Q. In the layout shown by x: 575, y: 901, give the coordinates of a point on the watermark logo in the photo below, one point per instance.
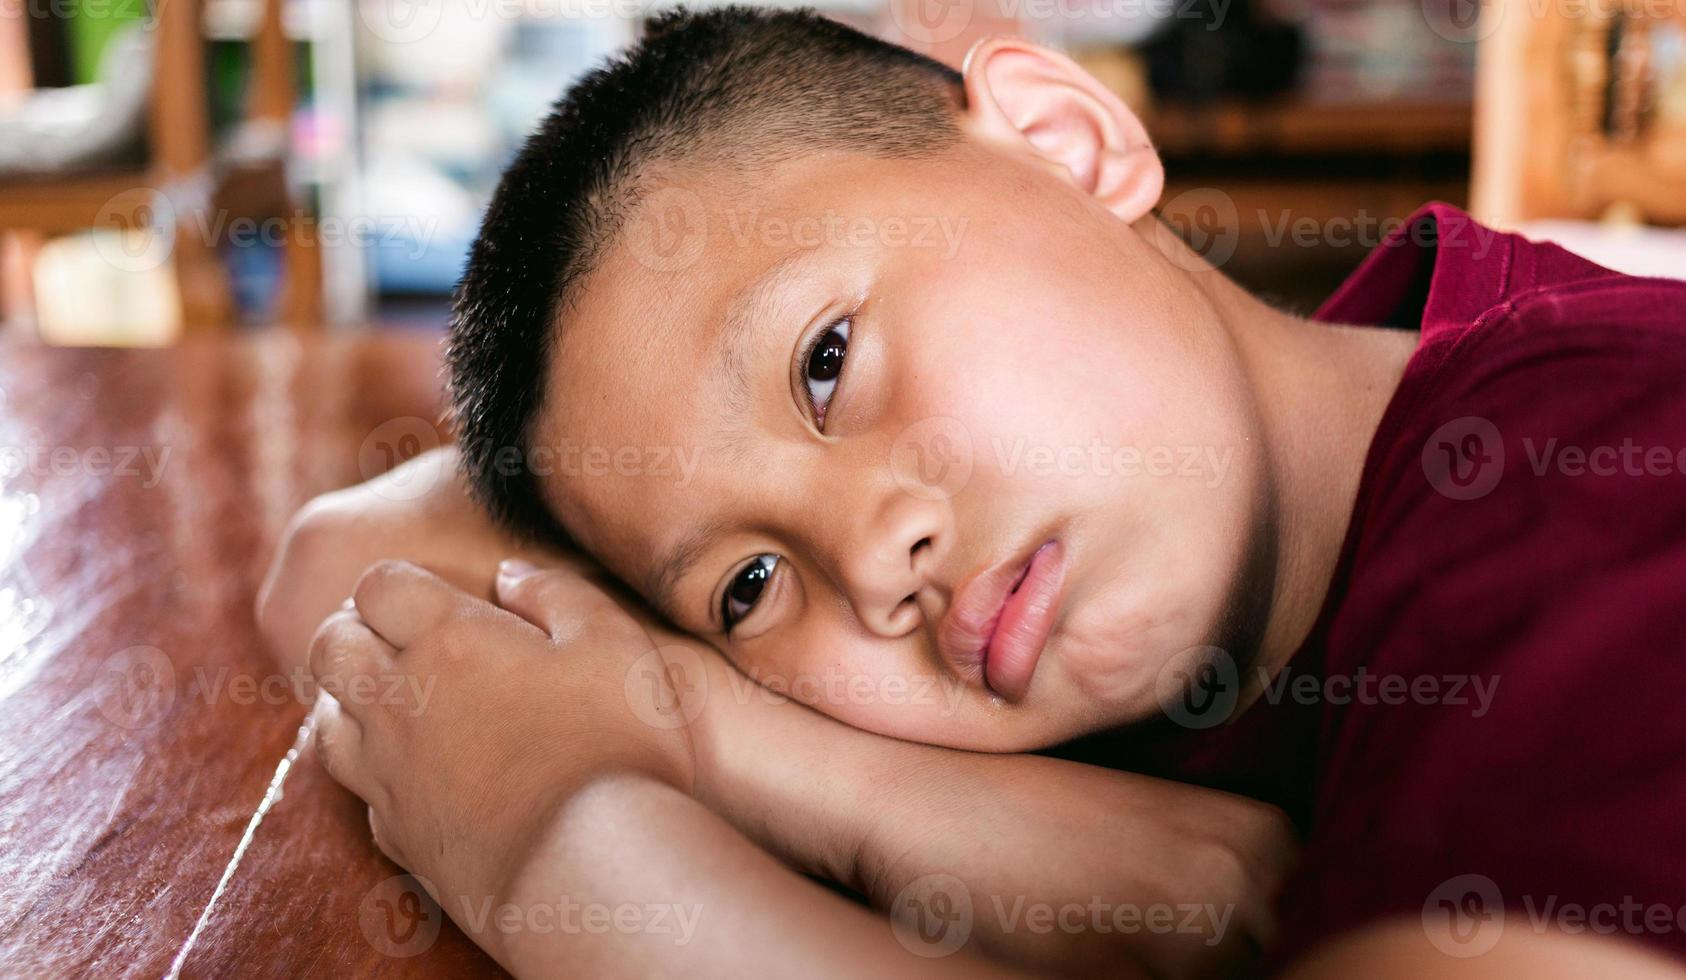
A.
x: 1199, y: 687
x: 401, y: 692
x: 932, y: 915
x: 1102, y: 916
x: 143, y: 463
x: 836, y: 229
x: 1206, y: 219
x: 932, y: 22
x: 1206, y: 465
x: 136, y: 229
x: 667, y: 687
x: 1202, y: 686
x: 395, y: 442
x: 136, y: 687
x: 1462, y: 21
x: 833, y: 688
x: 1465, y: 458
x: 401, y: 21
x: 61, y: 10
x: 932, y: 458
x: 669, y: 230
x: 1464, y: 916
x: 569, y: 917
x: 1630, y: 459
x: 1471, y: 21
x: 673, y: 464
x: 399, y: 918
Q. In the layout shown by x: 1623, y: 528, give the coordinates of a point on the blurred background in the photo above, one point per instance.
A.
x: 169, y: 167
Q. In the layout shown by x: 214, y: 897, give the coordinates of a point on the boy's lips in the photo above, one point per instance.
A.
x: 1000, y: 619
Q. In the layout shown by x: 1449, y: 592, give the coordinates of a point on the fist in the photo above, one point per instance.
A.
x: 466, y: 725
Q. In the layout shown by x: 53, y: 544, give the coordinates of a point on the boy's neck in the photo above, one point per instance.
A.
x: 1320, y: 392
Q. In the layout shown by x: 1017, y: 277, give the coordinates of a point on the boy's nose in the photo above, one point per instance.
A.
x: 890, y: 561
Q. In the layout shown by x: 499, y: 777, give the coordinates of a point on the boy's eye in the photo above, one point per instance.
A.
x: 824, y: 365
x: 745, y: 589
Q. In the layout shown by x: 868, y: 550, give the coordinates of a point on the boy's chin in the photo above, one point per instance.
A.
x: 1039, y: 728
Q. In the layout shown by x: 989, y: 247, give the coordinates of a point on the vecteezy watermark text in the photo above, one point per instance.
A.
x: 936, y: 914
x: 1466, y: 915
x: 145, y: 463
x: 569, y: 917
x: 1203, y: 686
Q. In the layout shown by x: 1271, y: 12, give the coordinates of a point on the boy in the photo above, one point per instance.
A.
x: 868, y: 520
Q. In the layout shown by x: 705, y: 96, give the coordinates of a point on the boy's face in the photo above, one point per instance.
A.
x: 1020, y: 368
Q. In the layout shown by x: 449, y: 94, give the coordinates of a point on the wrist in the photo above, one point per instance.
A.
x: 660, y: 694
x: 799, y: 784
x: 716, y: 734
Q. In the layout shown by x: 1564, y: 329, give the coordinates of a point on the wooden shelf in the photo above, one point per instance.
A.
x: 62, y: 205
x: 1262, y: 208
x: 1293, y: 128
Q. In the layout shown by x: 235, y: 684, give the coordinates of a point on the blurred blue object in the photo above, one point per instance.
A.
x: 435, y: 148
x: 408, y: 265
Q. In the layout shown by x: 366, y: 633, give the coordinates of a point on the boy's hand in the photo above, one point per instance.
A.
x: 836, y: 802
x: 466, y: 726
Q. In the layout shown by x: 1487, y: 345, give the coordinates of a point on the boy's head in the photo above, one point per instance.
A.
x: 817, y: 343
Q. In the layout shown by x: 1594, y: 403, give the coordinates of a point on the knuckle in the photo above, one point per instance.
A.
x: 457, y: 635
x: 379, y: 577
x: 1222, y: 869
x: 322, y: 650
x: 1276, y: 827
x: 332, y: 646
x: 1265, y: 830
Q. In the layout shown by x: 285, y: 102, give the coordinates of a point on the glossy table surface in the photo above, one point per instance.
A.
x: 141, y: 722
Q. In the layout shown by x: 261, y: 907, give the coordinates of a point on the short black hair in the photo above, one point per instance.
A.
x: 733, y: 84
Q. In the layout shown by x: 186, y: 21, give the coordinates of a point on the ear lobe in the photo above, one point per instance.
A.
x: 1023, y: 97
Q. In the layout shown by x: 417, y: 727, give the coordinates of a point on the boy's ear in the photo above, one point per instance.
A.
x: 1023, y: 97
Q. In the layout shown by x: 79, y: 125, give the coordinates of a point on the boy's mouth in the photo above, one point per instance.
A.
x: 1000, y: 620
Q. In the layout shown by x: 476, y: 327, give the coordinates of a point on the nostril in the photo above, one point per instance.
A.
x: 906, y: 614
x: 921, y: 545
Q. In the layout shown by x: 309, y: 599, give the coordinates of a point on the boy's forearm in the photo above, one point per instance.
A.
x: 631, y: 851
x: 1026, y: 837
x: 330, y: 542
x: 870, y: 812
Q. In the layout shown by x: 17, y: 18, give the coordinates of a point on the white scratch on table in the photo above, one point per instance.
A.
x: 270, y: 798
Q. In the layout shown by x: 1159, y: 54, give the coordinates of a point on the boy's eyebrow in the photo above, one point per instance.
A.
x: 661, y: 583
x: 748, y: 310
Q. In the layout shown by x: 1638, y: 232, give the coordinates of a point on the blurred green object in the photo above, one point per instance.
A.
x: 92, y: 24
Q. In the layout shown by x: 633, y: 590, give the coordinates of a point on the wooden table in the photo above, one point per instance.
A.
x: 141, y: 721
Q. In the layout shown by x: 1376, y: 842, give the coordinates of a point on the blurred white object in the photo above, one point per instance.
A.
x: 431, y: 42
x: 84, y: 299
x: 83, y: 127
x: 1637, y: 250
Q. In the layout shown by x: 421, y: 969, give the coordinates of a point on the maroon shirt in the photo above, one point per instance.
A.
x: 1512, y: 596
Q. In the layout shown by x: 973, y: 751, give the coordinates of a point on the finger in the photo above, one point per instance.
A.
x: 555, y: 600
x: 404, y: 602
x: 338, y: 742
x: 343, y: 652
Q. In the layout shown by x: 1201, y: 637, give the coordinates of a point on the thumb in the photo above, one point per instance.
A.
x: 540, y: 596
